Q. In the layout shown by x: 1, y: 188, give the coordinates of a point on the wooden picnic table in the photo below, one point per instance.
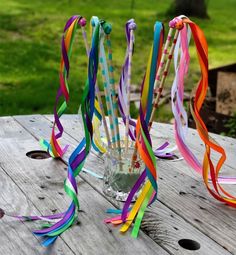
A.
x: 185, y: 215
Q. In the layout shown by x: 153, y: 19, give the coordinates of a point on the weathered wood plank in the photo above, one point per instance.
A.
x: 172, y: 227
x: 178, y: 201
x: 193, y: 140
x: 42, y: 181
x: 17, y: 238
x: 161, y: 132
x: 164, y: 132
x: 197, y: 210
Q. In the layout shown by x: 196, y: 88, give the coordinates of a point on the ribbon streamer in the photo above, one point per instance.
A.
x: 122, y: 89
x: 54, y: 148
x: 208, y: 169
x: 78, y: 157
x: 144, y: 145
x: 149, y: 78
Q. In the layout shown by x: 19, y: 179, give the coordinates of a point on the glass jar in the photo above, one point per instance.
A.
x: 120, y: 176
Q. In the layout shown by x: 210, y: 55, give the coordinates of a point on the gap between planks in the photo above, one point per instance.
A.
x: 89, y: 198
x: 40, y: 133
x: 212, y: 204
x: 12, y: 190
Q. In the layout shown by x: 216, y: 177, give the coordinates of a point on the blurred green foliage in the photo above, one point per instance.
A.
x: 231, y: 125
x: 30, y: 34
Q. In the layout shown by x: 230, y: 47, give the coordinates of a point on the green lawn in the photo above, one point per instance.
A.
x: 30, y: 34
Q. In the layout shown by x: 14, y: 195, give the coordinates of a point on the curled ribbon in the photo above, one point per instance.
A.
x: 208, y: 169
x: 144, y: 144
x: 54, y: 148
x: 65, y: 220
x: 77, y: 158
x: 149, y: 80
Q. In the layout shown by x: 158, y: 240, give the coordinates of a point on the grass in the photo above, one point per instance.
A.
x: 30, y: 34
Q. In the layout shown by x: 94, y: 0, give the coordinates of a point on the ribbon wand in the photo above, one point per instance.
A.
x: 178, y: 24
x: 112, y: 83
x: 144, y: 145
x: 106, y: 29
x: 53, y: 147
x: 98, y: 94
x: 209, y: 169
x: 122, y: 91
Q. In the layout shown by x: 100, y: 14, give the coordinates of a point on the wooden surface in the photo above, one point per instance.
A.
x: 184, y: 209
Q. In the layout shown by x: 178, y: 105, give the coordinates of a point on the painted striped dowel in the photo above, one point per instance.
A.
x: 98, y: 94
x: 163, y: 78
x: 162, y: 62
x: 107, y: 92
x: 113, y: 91
x: 160, y: 78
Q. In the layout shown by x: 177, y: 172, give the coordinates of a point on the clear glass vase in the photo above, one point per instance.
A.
x: 120, y: 175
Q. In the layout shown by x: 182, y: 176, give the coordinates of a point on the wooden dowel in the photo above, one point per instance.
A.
x: 130, y: 52
x: 107, y: 98
x: 162, y: 81
x: 113, y: 90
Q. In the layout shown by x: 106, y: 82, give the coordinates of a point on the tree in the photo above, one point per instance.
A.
x: 197, y: 8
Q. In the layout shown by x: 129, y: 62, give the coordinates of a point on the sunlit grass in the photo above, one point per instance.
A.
x: 30, y: 34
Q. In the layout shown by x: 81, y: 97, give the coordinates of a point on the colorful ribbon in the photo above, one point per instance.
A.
x: 122, y: 89
x: 77, y: 158
x: 54, y: 148
x: 99, y: 115
x: 88, y: 109
x: 144, y: 144
x: 91, y: 113
x: 162, y: 151
x: 208, y: 169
